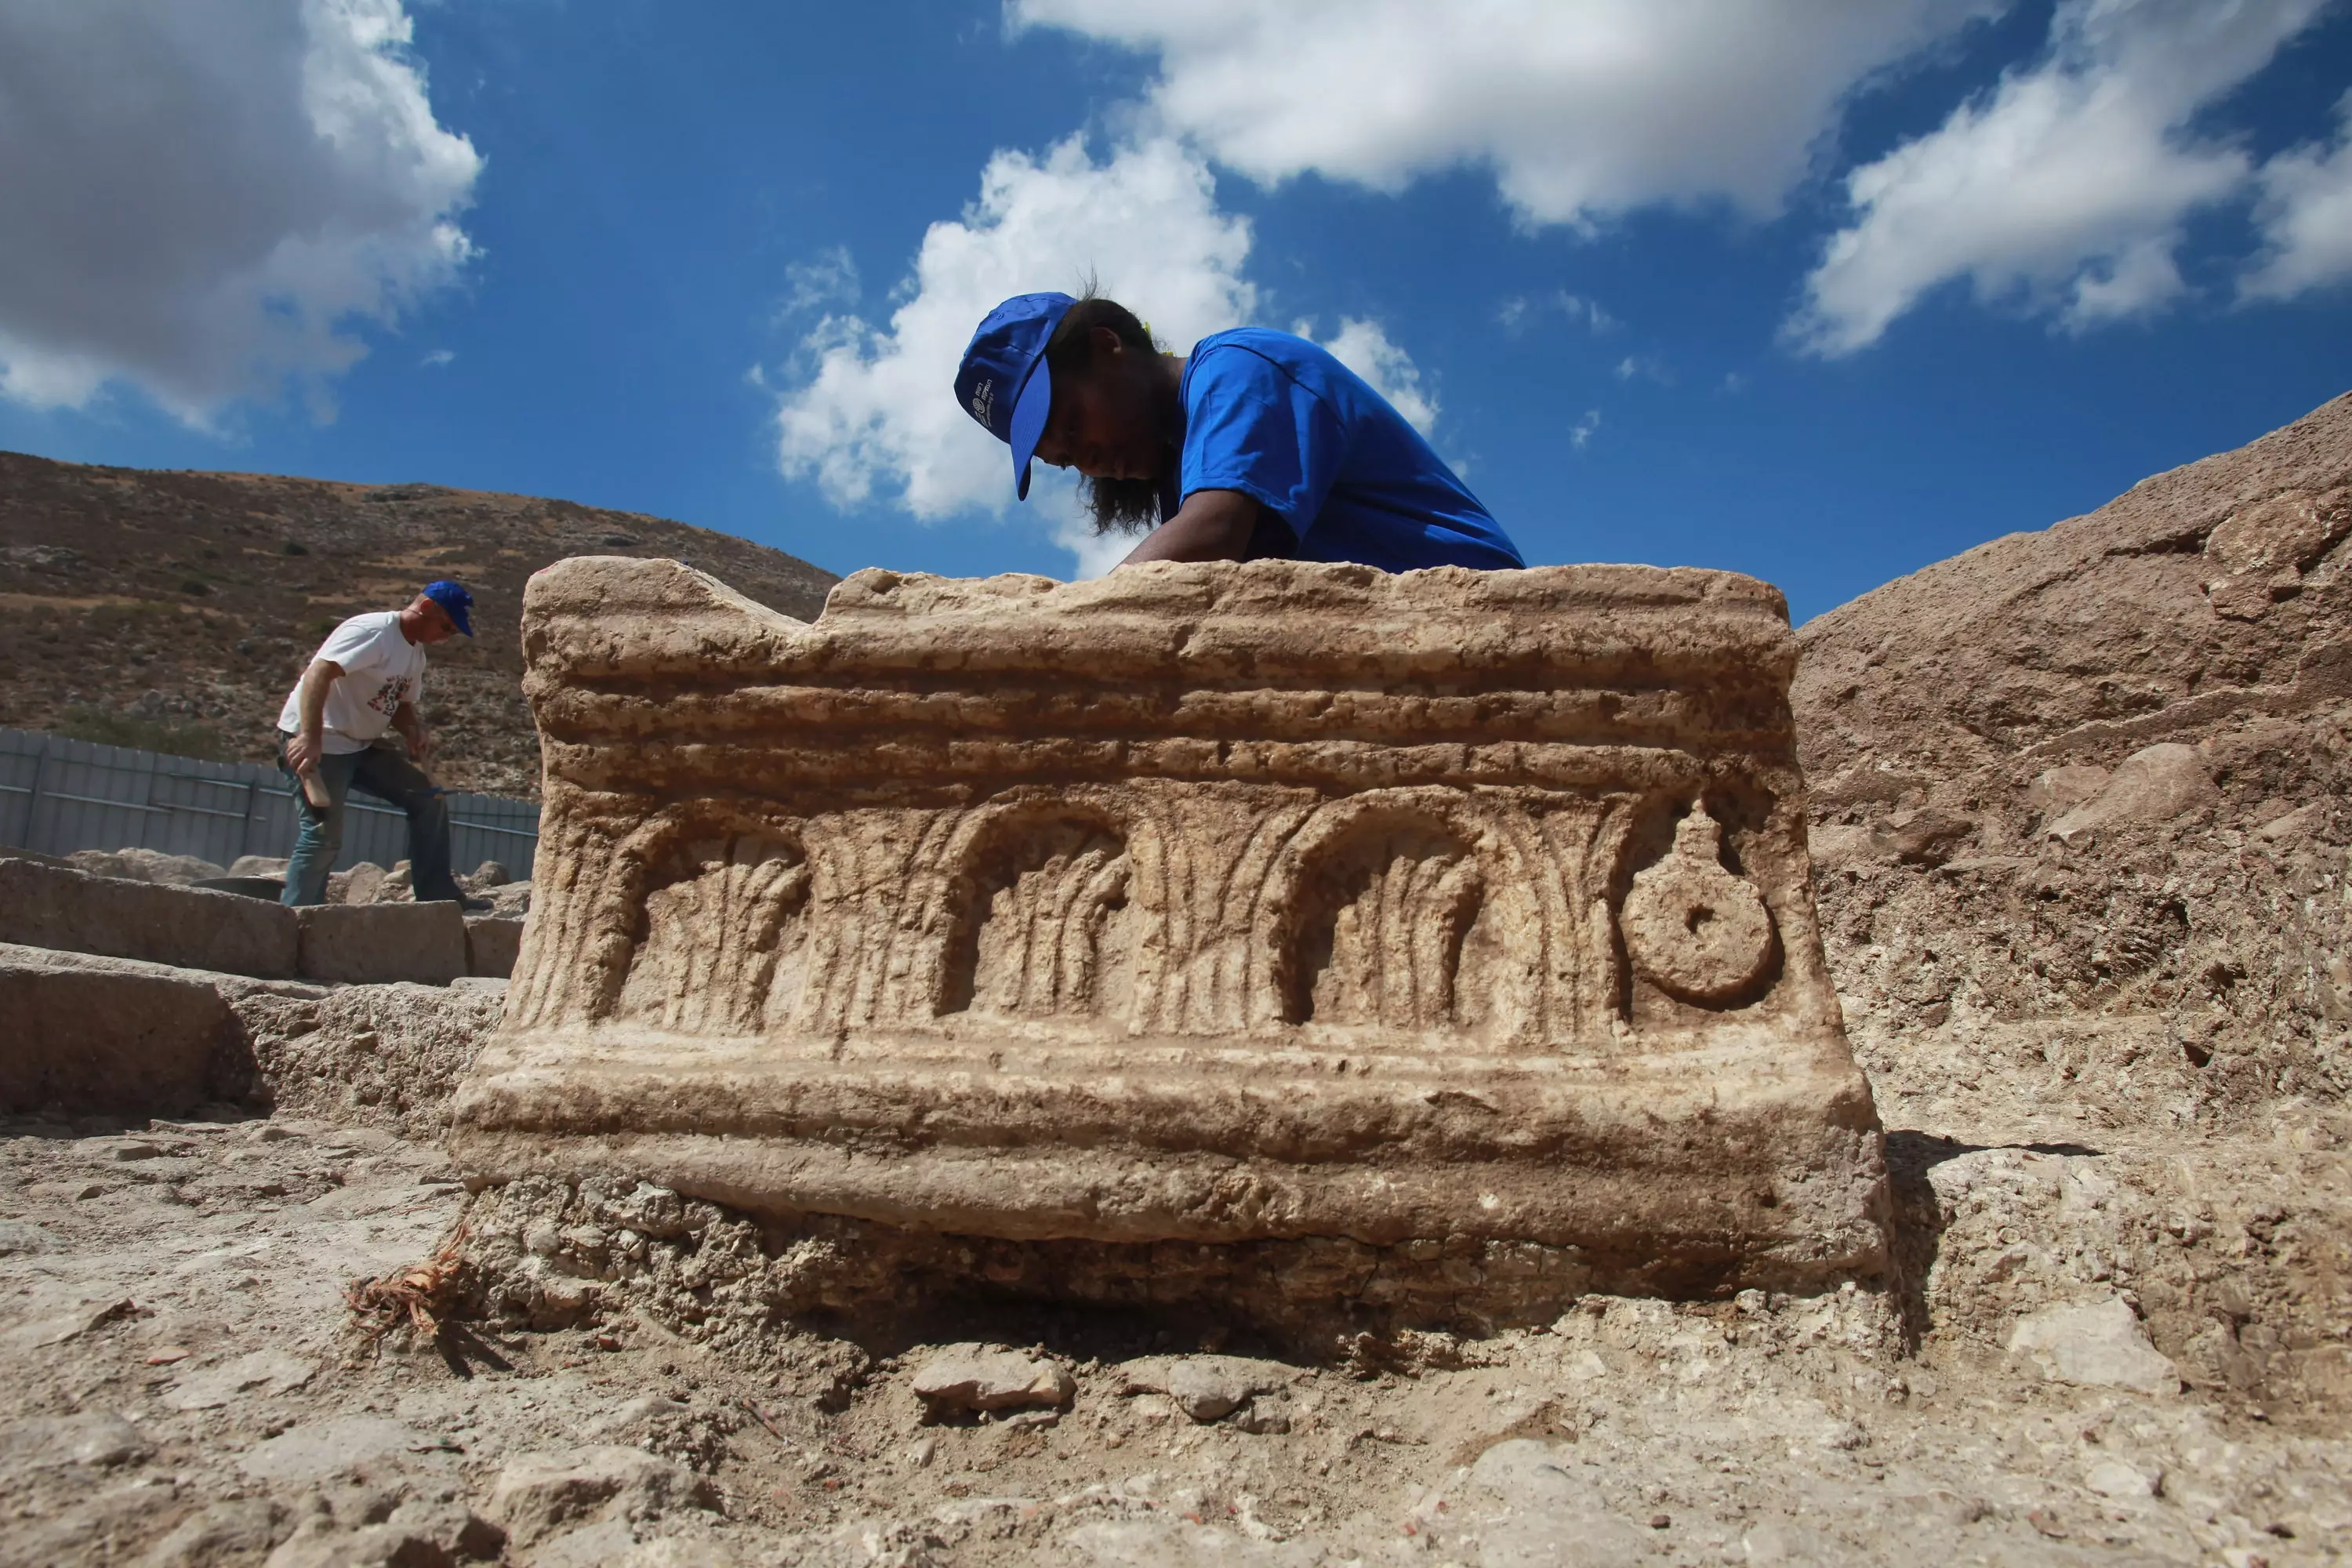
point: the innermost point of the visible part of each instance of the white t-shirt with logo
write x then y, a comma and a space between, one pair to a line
382, 670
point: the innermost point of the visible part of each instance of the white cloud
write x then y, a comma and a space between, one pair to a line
1094, 554
2067, 186
1364, 348
826, 280
1581, 435
437, 358
2306, 215
1581, 107
879, 413
201, 195
1521, 313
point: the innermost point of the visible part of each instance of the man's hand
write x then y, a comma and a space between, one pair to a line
308, 744
1212, 525
411, 725
303, 752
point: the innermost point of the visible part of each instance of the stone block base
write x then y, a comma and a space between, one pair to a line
1641, 1175
492, 943
90, 1042
51, 906
374, 945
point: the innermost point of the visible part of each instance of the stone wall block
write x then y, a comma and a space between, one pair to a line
90, 1042
378, 944
493, 941
46, 905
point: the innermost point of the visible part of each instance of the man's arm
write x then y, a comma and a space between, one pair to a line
411, 725
309, 744
1212, 525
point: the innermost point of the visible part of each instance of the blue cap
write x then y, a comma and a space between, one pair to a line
1003, 382
454, 599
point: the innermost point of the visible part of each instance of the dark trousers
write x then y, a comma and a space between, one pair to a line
385, 771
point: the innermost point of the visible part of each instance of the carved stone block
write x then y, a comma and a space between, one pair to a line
1212, 904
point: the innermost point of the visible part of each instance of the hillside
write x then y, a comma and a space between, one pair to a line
2081, 799
173, 610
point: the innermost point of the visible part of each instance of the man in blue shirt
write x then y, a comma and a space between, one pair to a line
1259, 444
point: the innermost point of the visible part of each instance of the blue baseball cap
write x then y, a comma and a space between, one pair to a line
1003, 381
454, 599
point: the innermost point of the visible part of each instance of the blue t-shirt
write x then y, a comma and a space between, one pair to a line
1279, 419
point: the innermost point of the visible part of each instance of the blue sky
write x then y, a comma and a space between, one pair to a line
1824, 297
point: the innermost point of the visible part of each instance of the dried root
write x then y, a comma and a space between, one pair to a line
424, 1295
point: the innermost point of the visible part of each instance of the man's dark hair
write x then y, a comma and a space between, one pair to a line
1125, 506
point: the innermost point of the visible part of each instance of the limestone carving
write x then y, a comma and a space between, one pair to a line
1692, 927
1217, 904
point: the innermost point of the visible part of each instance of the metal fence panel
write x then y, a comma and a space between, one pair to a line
58, 796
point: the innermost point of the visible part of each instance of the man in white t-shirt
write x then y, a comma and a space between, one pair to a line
362, 685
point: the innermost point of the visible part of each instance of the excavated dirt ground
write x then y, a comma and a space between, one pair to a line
188, 1387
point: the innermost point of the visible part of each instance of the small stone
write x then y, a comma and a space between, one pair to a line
2046, 1523
165, 1355
131, 1149
2114, 1478
1205, 1387
237, 1531
1662, 1521
1038, 1418
69, 1192
1261, 1420
978, 1377
434, 1538
920, 1452
539, 1494
2097, 1344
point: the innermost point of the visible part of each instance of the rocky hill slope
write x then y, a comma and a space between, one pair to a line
2080, 829
173, 610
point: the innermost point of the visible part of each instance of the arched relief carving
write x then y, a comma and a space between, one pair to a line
1041, 926
1694, 928
1405, 912
882, 917
718, 927
1205, 891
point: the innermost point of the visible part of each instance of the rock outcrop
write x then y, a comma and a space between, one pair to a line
1213, 905
2080, 832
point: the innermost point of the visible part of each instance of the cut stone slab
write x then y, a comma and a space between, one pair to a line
2095, 1344
89, 1042
191, 928
492, 943
981, 1377
374, 945
1212, 903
